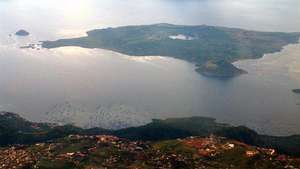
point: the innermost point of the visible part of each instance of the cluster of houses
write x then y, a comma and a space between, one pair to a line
15, 157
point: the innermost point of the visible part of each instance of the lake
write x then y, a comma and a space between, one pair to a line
95, 87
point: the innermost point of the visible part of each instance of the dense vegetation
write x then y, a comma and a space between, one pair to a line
197, 44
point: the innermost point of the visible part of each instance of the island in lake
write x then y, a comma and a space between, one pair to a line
22, 33
197, 44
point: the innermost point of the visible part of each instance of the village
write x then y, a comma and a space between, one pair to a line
104, 151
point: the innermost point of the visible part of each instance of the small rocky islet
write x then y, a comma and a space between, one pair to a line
22, 32
296, 91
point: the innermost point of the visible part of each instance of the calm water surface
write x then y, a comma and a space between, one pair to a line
94, 87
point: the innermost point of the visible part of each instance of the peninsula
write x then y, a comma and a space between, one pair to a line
196, 44
219, 69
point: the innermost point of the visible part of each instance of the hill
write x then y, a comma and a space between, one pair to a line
16, 130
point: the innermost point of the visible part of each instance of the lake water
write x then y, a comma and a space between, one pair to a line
94, 87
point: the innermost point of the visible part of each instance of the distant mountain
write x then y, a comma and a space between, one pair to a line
196, 44
16, 130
